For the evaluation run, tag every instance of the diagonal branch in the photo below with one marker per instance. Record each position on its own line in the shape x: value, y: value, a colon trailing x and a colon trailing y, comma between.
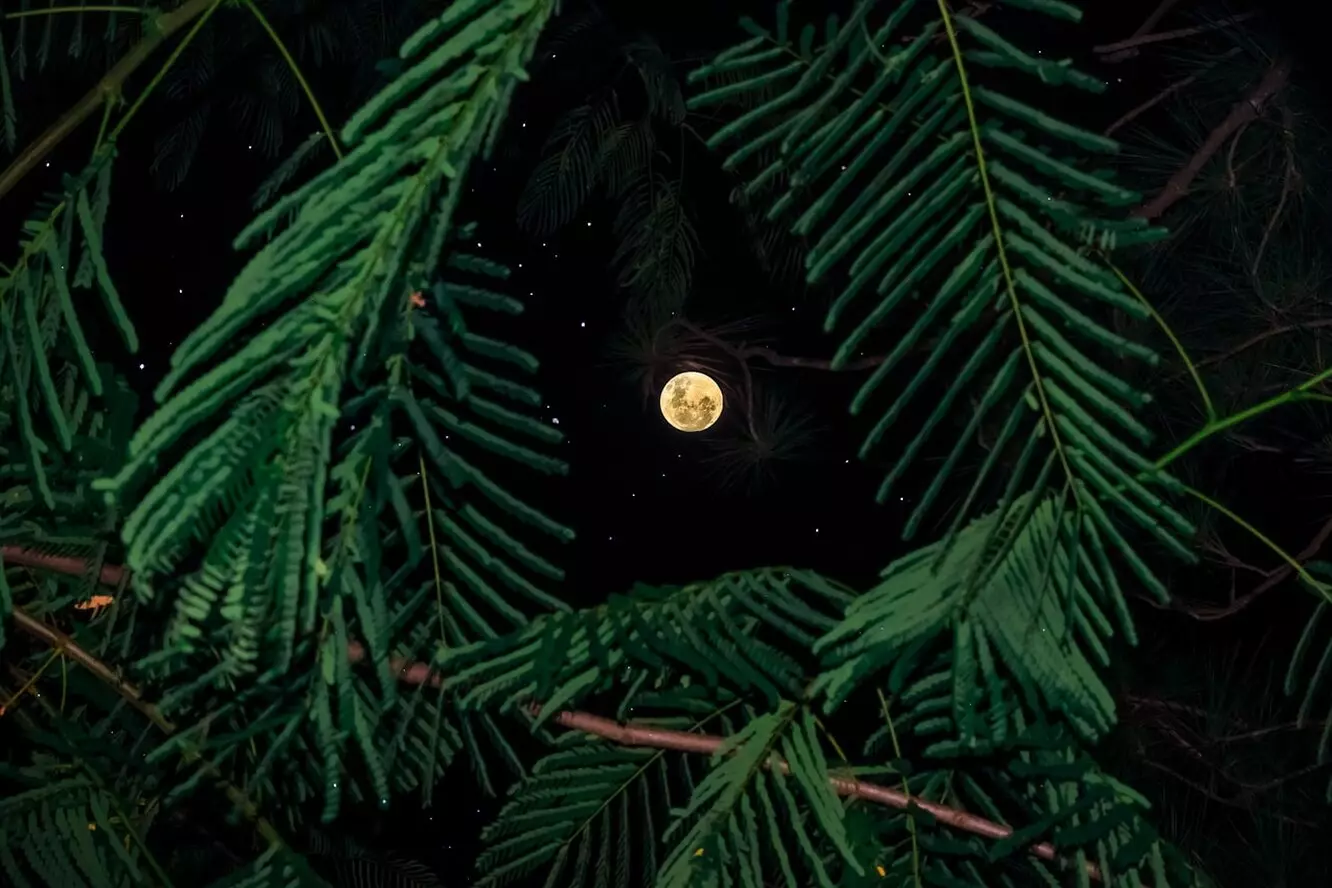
x: 631, y: 734
x: 1273, y: 579
x: 1169, y: 91
x: 1119, y: 50
x: 157, y: 31
x: 419, y: 673
x: 1244, y: 112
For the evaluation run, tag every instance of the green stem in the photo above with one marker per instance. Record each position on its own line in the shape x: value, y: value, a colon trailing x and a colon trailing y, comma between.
x: 300, y: 77
x: 434, y: 551
x: 1299, y: 393
x: 1174, y: 340
x: 101, y: 128
x: 162, y: 27
x: 162, y: 72
x: 993, y: 207
x: 57, y: 10
x: 1281, y: 553
x: 906, y: 789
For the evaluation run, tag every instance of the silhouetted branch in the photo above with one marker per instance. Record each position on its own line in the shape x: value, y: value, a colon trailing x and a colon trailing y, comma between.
x: 1244, y: 112
x: 771, y: 357
x: 1168, y: 92
x: 1151, y: 22
x: 1116, y: 50
x: 1274, y: 578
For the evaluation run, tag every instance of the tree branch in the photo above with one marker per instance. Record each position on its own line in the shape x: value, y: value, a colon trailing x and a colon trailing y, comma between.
x: 63, y: 644
x: 1274, y: 578
x: 1117, y: 51
x: 158, y: 30
x: 419, y: 673
x: 1244, y: 112
x: 631, y: 734
x: 1155, y: 18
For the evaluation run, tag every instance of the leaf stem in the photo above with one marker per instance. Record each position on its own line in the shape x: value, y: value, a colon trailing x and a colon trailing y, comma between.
x: 57, y: 10
x: 163, y: 26
x: 162, y: 72
x: 906, y: 790
x: 992, y: 205
x: 1299, y: 393
x: 32, y: 680
x: 434, y: 551
x: 298, y: 74
x: 1281, y: 553
x: 1174, y: 340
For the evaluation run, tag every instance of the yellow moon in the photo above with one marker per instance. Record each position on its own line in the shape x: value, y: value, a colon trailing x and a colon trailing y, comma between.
x: 691, y: 402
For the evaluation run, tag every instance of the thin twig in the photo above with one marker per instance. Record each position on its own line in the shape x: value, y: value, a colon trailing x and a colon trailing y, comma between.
x: 59, y: 641
x: 156, y: 32
x: 1166, y: 93
x: 745, y: 375
x: 1259, y: 338
x: 1155, y: 18
x: 68, y: 10
x: 1164, y: 36
x: 1145, y: 28
x: 298, y: 74
x: 1275, y: 578
x: 1215, y: 796
x: 1288, y: 177
x: 1244, y: 111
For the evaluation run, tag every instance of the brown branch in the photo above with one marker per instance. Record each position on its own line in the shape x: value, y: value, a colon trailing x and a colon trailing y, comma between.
x: 706, y: 744
x: 1132, y: 43
x: 1244, y: 112
x: 420, y: 673
x: 1155, y: 18
x: 110, y: 575
x: 62, y: 643
x: 1145, y: 28
x: 157, y: 30
x: 1136, y: 701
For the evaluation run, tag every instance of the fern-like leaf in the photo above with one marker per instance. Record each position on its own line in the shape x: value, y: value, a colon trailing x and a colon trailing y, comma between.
x: 297, y: 397
x: 567, y: 175
x: 930, y: 181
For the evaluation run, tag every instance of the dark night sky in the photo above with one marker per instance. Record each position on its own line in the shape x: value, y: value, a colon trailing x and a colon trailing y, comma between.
x: 639, y: 494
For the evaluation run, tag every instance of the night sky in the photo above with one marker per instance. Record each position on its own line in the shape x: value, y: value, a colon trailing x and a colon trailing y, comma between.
x: 644, y: 499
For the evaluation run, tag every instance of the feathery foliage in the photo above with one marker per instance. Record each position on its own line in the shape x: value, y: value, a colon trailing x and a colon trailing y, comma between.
x: 314, y: 511
x: 50, y: 370
x: 333, y: 415
x: 895, y: 181
x: 621, y: 142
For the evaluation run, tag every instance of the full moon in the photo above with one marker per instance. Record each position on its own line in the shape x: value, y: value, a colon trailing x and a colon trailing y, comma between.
x: 691, y: 402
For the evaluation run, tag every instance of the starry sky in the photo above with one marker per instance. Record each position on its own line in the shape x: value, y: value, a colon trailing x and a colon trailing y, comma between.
x: 644, y: 499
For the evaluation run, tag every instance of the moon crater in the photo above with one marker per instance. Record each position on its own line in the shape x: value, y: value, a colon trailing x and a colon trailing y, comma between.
x: 691, y: 401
